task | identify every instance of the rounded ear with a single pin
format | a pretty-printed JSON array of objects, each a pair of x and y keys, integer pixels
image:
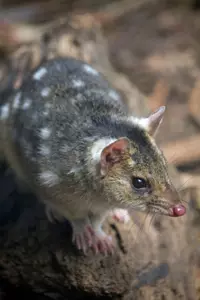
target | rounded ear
[
  {"x": 152, "y": 123},
  {"x": 112, "y": 154}
]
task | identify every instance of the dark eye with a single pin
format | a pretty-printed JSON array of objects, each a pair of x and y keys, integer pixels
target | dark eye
[{"x": 139, "y": 183}]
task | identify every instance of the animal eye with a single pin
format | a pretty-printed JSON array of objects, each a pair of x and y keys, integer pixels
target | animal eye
[{"x": 139, "y": 183}]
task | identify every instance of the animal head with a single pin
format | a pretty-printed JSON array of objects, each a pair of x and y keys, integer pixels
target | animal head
[{"x": 134, "y": 171}]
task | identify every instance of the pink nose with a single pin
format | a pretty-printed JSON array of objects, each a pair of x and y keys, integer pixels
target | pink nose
[{"x": 178, "y": 210}]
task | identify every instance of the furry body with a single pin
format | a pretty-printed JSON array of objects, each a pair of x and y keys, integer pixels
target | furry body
[{"x": 53, "y": 133}]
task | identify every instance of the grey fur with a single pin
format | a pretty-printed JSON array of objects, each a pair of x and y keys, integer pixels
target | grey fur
[{"x": 63, "y": 108}]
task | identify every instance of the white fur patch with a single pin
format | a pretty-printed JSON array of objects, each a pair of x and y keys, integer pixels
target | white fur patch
[
  {"x": 48, "y": 105},
  {"x": 44, "y": 150},
  {"x": 26, "y": 104},
  {"x": 45, "y": 92},
  {"x": 98, "y": 146},
  {"x": 16, "y": 101},
  {"x": 141, "y": 122},
  {"x": 90, "y": 70},
  {"x": 45, "y": 113},
  {"x": 49, "y": 178},
  {"x": 79, "y": 97},
  {"x": 114, "y": 95},
  {"x": 90, "y": 138},
  {"x": 78, "y": 83},
  {"x": 5, "y": 112},
  {"x": 74, "y": 170},
  {"x": 45, "y": 133},
  {"x": 39, "y": 74}
]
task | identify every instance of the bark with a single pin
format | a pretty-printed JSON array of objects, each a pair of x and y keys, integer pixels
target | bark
[{"x": 152, "y": 262}]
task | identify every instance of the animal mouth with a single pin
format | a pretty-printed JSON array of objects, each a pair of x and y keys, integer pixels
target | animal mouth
[{"x": 177, "y": 210}]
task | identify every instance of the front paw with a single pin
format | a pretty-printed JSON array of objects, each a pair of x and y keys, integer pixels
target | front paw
[
  {"x": 120, "y": 215},
  {"x": 97, "y": 240}
]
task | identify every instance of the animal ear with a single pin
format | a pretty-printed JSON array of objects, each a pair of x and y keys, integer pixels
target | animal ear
[
  {"x": 112, "y": 154},
  {"x": 152, "y": 123}
]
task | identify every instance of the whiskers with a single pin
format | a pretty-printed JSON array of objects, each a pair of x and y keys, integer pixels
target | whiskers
[
  {"x": 153, "y": 216},
  {"x": 183, "y": 201},
  {"x": 185, "y": 185},
  {"x": 144, "y": 227},
  {"x": 188, "y": 182},
  {"x": 141, "y": 222}
]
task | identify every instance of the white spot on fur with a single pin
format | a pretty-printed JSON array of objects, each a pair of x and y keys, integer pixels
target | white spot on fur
[
  {"x": 74, "y": 170},
  {"x": 45, "y": 92},
  {"x": 26, "y": 104},
  {"x": 60, "y": 134},
  {"x": 78, "y": 83},
  {"x": 16, "y": 101},
  {"x": 114, "y": 95},
  {"x": 48, "y": 105},
  {"x": 90, "y": 138},
  {"x": 45, "y": 113},
  {"x": 44, "y": 150},
  {"x": 5, "y": 112},
  {"x": 45, "y": 133},
  {"x": 49, "y": 178},
  {"x": 141, "y": 122},
  {"x": 98, "y": 146},
  {"x": 79, "y": 97},
  {"x": 90, "y": 70},
  {"x": 40, "y": 73}
]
